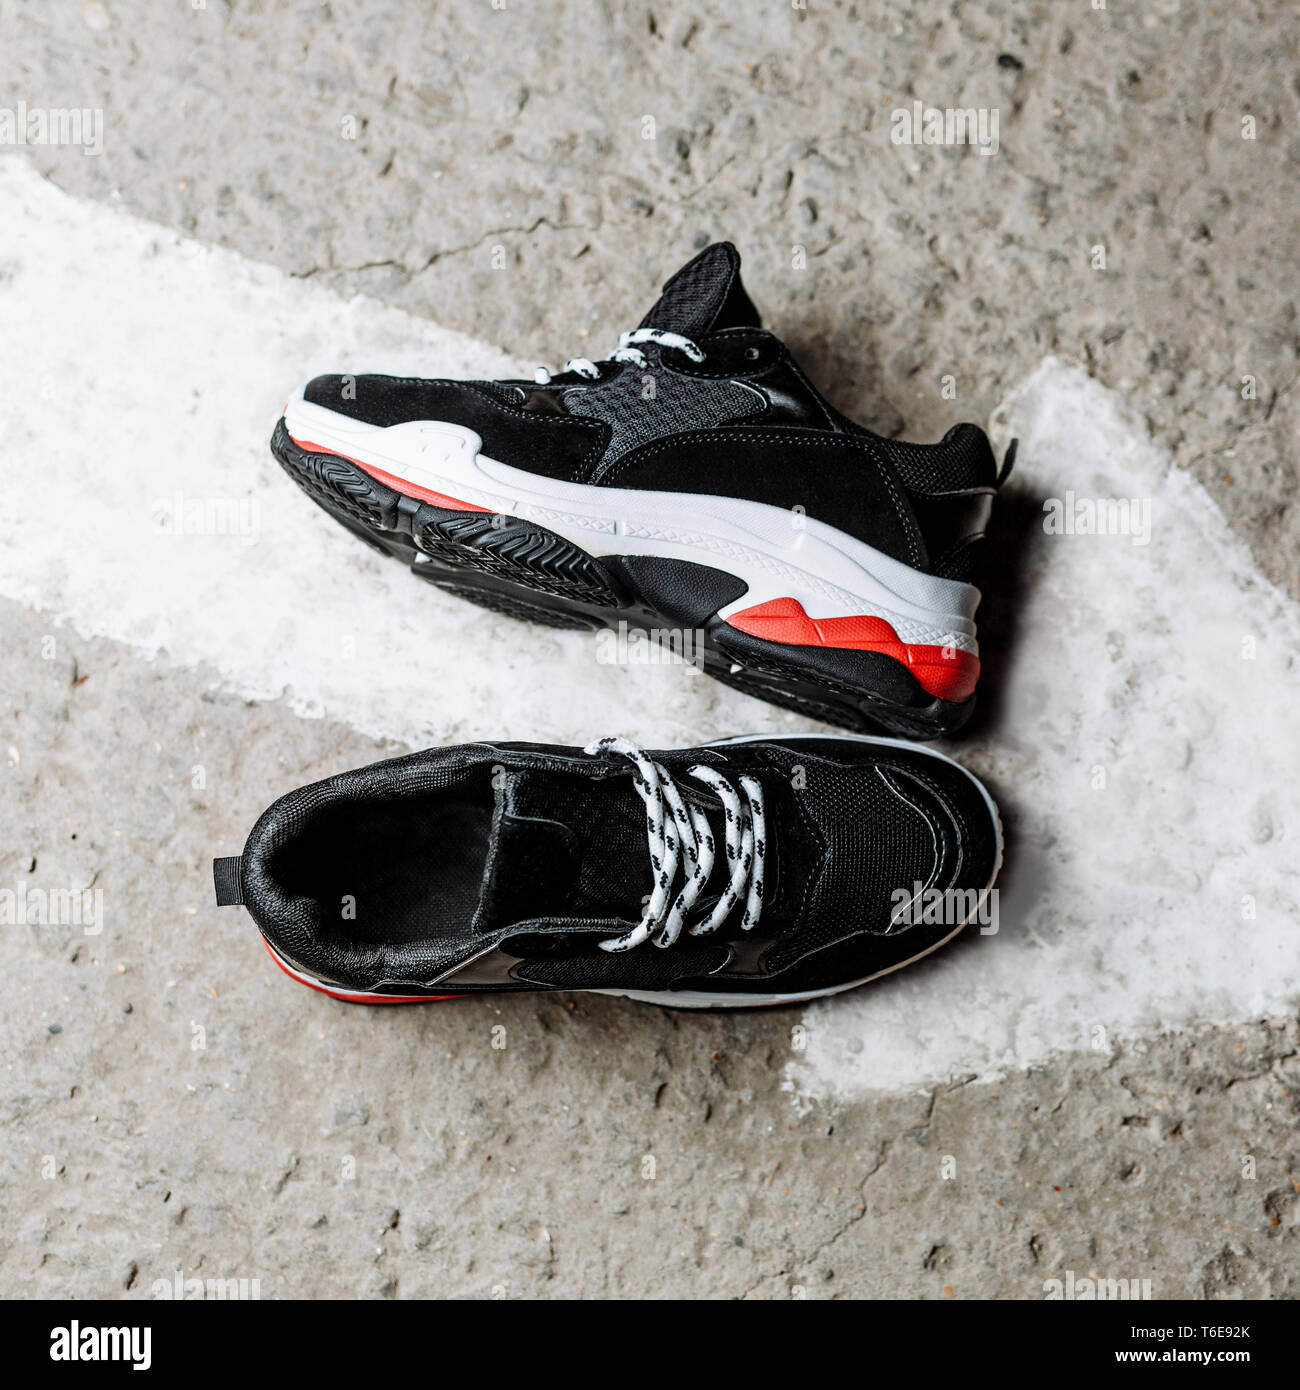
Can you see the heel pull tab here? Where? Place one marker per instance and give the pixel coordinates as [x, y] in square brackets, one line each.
[1008, 462]
[228, 880]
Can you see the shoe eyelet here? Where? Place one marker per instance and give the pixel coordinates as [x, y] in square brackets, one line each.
[752, 354]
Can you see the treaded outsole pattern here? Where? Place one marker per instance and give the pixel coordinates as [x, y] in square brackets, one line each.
[336, 483]
[519, 552]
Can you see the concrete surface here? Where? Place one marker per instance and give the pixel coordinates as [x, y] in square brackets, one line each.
[170, 1102]
[522, 1169]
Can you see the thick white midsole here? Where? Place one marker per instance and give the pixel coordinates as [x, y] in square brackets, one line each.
[779, 554]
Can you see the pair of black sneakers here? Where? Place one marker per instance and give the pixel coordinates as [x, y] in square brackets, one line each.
[693, 483]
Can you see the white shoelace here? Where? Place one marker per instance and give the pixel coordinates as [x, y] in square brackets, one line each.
[627, 351]
[681, 836]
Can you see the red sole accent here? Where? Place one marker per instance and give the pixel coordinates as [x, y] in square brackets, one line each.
[424, 494]
[945, 672]
[358, 998]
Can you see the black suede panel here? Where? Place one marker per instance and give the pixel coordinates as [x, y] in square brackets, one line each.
[559, 446]
[835, 478]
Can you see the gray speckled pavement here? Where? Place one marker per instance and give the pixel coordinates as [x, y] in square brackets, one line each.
[170, 1102]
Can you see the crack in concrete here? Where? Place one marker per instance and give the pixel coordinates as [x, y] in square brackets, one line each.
[413, 272]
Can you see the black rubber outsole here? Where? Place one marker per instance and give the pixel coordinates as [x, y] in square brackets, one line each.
[520, 569]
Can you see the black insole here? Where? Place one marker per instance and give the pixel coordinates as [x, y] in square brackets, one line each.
[398, 872]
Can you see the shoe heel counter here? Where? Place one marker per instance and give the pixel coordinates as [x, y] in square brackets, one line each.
[953, 526]
[951, 491]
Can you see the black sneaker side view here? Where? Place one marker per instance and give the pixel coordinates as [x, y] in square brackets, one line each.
[693, 482]
[751, 871]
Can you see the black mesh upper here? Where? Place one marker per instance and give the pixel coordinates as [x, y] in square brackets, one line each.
[643, 405]
[962, 460]
[704, 296]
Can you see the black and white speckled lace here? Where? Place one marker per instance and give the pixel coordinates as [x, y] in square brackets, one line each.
[680, 836]
[627, 351]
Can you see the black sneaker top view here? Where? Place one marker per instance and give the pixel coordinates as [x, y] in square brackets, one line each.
[696, 478]
[753, 871]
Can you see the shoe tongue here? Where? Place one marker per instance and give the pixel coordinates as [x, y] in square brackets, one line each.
[564, 844]
[704, 296]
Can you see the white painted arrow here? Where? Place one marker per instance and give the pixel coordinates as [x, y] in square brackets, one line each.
[1145, 750]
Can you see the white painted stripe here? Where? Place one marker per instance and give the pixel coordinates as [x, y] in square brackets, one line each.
[141, 368]
[1142, 759]
[136, 364]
